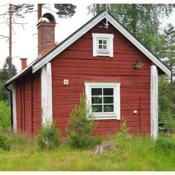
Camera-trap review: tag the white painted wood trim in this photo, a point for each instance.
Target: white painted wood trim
(49, 85)
(116, 86)
(14, 109)
(46, 94)
(154, 101)
(86, 28)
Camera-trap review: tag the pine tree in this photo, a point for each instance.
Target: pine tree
(168, 51)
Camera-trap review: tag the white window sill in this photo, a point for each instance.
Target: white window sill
(107, 116)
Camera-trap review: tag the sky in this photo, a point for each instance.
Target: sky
(25, 36)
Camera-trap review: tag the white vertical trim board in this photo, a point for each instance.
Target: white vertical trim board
(46, 93)
(14, 109)
(154, 102)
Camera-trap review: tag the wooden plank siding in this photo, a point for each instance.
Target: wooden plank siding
(28, 108)
(78, 65)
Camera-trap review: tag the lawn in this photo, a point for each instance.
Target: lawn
(138, 153)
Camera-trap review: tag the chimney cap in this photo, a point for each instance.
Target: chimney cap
(48, 18)
(23, 58)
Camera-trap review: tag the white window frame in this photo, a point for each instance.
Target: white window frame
(103, 36)
(104, 115)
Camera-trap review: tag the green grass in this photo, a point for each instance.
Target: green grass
(139, 153)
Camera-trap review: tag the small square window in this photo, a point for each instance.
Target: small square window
(102, 44)
(104, 99)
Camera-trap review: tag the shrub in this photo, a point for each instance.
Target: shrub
(122, 136)
(81, 123)
(49, 137)
(165, 144)
(4, 115)
(5, 143)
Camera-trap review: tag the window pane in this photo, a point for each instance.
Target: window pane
(104, 41)
(96, 91)
(96, 100)
(104, 46)
(100, 46)
(100, 41)
(108, 100)
(108, 108)
(108, 91)
(96, 108)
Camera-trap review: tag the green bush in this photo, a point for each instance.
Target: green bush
(49, 137)
(165, 144)
(81, 126)
(5, 143)
(4, 114)
(122, 136)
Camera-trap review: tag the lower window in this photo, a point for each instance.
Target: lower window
(103, 99)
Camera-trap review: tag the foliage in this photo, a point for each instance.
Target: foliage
(5, 143)
(3, 91)
(6, 73)
(168, 51)
(81, 123)
(4, 115)
(20, 9)
(142, 20)
(165, 144)
(65, 10)
(167, 103)
(122, 136)
(49, 137)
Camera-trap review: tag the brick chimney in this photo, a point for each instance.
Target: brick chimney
(46, 34)
(23, 63)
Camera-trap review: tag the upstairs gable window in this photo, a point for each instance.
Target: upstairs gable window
(102, 44)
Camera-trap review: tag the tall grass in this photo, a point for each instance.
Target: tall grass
(139, 153)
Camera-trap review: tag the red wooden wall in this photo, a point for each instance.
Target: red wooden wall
(28, 103)
(78, 65)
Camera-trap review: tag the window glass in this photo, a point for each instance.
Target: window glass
(96, 100)
(108, 91)
(96, 108)
(96, 91)
(102, 44)
(108, 99)
(108, 108)
(102, 99)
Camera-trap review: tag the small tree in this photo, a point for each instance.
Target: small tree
(81, 123)
(49, 137)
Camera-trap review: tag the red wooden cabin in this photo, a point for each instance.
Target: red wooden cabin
(101, 59)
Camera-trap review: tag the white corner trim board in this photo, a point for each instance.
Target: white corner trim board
(154, 101)
(86, 28)
(14, 108)
(46, 93)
